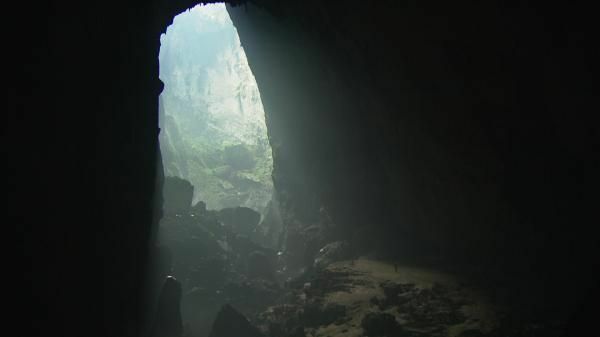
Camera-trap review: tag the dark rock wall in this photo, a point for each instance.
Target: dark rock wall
(458, 128)
(80, 162)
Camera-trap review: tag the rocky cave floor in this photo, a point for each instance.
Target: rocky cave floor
(229, 280)
(366, 297)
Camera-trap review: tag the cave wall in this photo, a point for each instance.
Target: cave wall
(457, 131)
(461, 132)
(81, 163)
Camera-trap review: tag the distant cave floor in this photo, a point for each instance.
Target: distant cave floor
(422, 302)
(367, 297)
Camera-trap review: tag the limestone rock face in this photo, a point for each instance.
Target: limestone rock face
(213, 130)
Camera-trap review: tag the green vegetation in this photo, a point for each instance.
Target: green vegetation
(212, 119)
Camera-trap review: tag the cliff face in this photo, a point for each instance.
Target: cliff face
(212, 119)
(462, 129)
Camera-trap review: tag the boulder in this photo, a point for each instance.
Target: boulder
(199, 208)
(380, 324)
(231, 323)
(177, 195)
(168, 322)
(241, 220)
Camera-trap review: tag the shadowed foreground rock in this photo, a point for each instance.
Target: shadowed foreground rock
(380, 324)
(168, 321)
(230, 323)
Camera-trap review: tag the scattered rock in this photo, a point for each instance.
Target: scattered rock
(396, 293)
(281, 320)
(316, 314)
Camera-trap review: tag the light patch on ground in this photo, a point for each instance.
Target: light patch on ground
(366, 278)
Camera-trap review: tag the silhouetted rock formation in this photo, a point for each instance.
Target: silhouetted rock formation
(177, 195)
(199, 208)
(168, 321)
(230, 323)
(380, 325)
(332, 252)
(242, 220)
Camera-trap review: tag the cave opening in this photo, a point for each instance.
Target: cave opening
(211, 115)
(463, 129)
(217, 191)
(377, 216)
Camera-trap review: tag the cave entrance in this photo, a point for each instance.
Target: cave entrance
(211, 115)
(217, 162)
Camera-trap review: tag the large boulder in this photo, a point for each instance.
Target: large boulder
(231, 323)
(199, 208)
(177, 195)
(242, 220)
(168, 322)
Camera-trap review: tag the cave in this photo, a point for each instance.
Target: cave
(457, 138)
(212, 121)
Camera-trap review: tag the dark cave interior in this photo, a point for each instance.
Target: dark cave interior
(454, 134)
